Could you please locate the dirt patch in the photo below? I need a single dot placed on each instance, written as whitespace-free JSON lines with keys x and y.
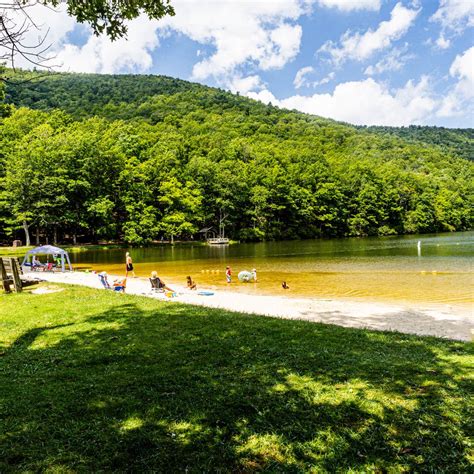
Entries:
{"x":46,"y":289}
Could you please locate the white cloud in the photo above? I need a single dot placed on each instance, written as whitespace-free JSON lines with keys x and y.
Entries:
{"x":300,"y":79}
{"x":365,"y":102}
{"x":98,"y":54}
{"x":463,"y":68}
{"x":455,"y":14}
{"x":393,"y":61}
{"x":49,"y":30}
{"x":460,"y":97}
{"x":442,"y":42}
{"x":244,"y":85}
{"x":349,"y":5}
{"x":101,"y":55}
{"x":260,"y":34}
{"x":326,"y":79}
{"x":266,"y":97}
{"x":361,"y":46}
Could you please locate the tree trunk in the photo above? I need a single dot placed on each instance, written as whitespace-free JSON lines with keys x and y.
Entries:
{"x":27,"y":233}
{"x":74,"y":234}
{"x":37,"y":236}
{"x":172,"y":239}
{"x":55,"y":235}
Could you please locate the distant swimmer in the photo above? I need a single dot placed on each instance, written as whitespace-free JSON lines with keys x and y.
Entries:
{"x":285,"y":286}
{"x":228,"y":274}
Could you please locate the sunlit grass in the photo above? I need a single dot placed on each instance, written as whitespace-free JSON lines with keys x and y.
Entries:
{"x":14,"y":251}
{"x":95,"y":381}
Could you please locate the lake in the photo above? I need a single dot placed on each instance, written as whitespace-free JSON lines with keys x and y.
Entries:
{"x":380,"y":268}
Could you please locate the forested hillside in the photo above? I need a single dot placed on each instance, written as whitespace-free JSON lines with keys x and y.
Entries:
{"x":135,"y":158}
{"x":459,"y":140}
{"x":86,"y":95}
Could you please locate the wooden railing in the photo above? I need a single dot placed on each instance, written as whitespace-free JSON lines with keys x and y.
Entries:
{"x":11,"y":273}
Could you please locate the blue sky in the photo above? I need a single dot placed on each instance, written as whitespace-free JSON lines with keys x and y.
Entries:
{"x":361,"y":61}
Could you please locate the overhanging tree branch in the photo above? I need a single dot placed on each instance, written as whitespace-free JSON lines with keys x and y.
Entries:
{"x":103,"y":16}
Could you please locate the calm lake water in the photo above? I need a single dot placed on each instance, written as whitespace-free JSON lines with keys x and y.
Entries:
{"x":380,"y":268}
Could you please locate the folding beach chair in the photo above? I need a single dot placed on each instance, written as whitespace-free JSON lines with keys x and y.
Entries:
{"x":120,"y":287}
{"x":103,"y":280}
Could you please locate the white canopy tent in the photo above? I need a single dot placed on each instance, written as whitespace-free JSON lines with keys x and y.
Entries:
{"x":50,"y":250}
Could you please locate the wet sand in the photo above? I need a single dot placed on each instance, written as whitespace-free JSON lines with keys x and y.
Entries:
{"x":441,"y":320}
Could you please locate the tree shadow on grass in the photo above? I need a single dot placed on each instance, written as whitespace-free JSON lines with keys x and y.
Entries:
{"x":182,"y":388}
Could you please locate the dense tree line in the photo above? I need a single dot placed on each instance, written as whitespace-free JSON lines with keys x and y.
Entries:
{"x":86,"y":95}
{"x":459,"y":140}
{"x":165,"y":157}
{"x":117,"y":96}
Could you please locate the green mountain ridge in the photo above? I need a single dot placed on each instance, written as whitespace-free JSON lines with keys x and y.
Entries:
{"x":85,"y":95}
{"x":135,"y":158}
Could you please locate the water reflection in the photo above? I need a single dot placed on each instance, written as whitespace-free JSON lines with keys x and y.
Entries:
{"x":437,"y":270}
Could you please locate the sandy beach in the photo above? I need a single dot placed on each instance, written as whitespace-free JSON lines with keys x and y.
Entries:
{"x":430,"y":320}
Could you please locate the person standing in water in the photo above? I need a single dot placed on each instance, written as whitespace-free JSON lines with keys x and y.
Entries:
{"x":129,"y":265}
{"x":254,"y":275}
{"x":228,"y":274}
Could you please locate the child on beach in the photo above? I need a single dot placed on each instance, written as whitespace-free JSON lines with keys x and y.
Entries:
{"x":254,"y":275}
{"x":228,"y":274}
{"x":191,"y":284}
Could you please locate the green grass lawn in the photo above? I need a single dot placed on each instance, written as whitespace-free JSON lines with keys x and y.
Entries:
{"x":20,"y":251}
{"x":96,"y":381}
{"x":13,"y":251}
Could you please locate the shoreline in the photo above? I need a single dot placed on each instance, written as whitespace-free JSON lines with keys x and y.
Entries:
{"x":421,"y":319}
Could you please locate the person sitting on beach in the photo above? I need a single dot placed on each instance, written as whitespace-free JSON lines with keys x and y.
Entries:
{"x":285,"y":286}
{"x":157,"y":284}
{"x":36,"y":263}
{"x":191,"y":284}
{"x":120,"y":284}
{"x":103,"y":279}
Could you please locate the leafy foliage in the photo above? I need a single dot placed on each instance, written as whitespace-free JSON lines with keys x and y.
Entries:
{"x":136,"y":158}
{"x":460,"y":140}
{"x":109,"y":17}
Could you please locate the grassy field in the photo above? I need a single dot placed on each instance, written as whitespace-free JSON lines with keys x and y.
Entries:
{"x":20,"y":251}
{"x":96,"y":381}
{"x":13,"y":251}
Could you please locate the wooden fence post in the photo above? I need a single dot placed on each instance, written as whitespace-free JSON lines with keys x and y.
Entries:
{"x":16,"y":276}
{"x":4,"y":277}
